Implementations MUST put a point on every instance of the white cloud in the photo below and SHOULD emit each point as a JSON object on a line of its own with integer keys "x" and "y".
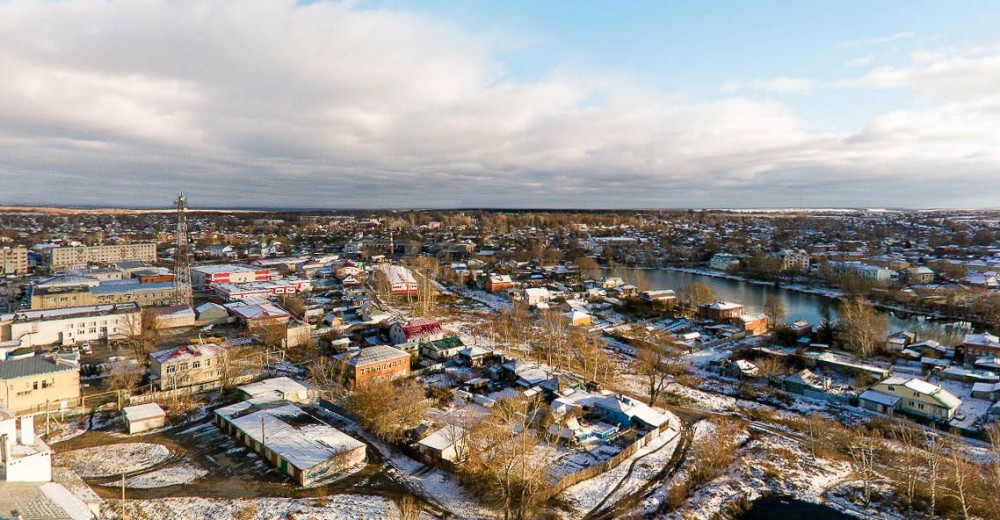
{"x": 945, "y": 74}
{"x": 776, "y": 85}
{"x": 274, "y": 103}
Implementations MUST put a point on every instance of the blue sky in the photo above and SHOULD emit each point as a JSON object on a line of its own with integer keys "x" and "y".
{"x": 433, "y": 103}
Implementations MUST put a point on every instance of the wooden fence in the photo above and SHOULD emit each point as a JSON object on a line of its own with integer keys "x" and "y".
{"x": 609, "y": 464}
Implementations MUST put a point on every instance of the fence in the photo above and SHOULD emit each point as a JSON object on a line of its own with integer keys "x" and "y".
{"x": 609, "y": 464}
{"x": 195, "y": 389}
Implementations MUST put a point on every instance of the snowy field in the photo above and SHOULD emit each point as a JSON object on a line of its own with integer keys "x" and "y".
{"x": 163, "y": 477}
{"x": 114, "y": 459}
{"x": 337, "y": 507}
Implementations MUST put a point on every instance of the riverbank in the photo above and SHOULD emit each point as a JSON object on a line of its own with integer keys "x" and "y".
{"x": 833, "y": 294}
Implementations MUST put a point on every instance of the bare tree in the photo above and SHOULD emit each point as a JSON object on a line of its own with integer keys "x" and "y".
{"x": 862, "y": 327}
{"x": 124, "y": 375}
{"x": 658, "y": 364}
{"x": 934, "y": 459}
{"x": 409, "y": 508}
{"x": 991, "y": 473}
{"x": 962, "y": 476}
{"x": 388, "y": 408}
{"x": 503, "y": 467}
{"x": 864, "y": 451}
{"x": 328, "y": 376}
{"x": 694, "y": 295}
{"x": 775, "y": 310}
{"x": 908, "y": 462}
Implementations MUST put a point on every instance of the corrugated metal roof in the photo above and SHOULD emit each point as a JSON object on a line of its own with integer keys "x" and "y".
{"x": 30, "y": 367}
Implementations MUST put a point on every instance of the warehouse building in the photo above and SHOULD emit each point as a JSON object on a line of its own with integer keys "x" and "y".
{"x": 299, "y": 444}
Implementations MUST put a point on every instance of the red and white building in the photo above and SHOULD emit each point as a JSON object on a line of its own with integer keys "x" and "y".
{"x": 419, "y": 330}
{"x": 208, "y": 275}
{"x": 401, "y": 280}
{"x": 243, "y": 291}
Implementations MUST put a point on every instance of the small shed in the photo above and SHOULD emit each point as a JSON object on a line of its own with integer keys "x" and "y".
{"x": 144, "y": 417}
{"x": 279, "y": 387}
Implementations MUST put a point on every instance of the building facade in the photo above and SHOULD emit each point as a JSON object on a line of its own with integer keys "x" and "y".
{"x": 208, "y": 275}
{"x": 72, "y": 325}
{"x": 378, "y": 362}
{"x": 33, "y": 383}
{"x": 13, "y": 260}
{"x": 59, "y": 257}
{"x": 186, "y": 365}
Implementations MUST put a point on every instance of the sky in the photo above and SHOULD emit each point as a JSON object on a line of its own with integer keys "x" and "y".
{"x": 503, "y": 104}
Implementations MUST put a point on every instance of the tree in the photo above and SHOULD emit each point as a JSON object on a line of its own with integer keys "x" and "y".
{"x": 775, "y": 310}
{"x": 388, "y": 408}
{"x": 864, "y": 451}
{"x": 962, "y": 475}
{"x": 657, "y": 364}
{"x": 991, "y": 473}
{"x": 862, "y": 327}
{"x": 695, "y": 294}
{"x": 588, "y": 267}
{"x": 908, "y": 462}
{"x": 503, "y": 466}
{"x": 328, "y": 376}
{"x": 934, "y": 459}
{"x": 124, "y": 376}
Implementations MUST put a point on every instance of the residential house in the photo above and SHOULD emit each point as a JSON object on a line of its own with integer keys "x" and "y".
{"x": 378, "y": 362}
{"x": 37, "y": 382}
{"x": 912, "y": 396}
{"x": 720, "y": 310}
{"x": 499, "y": 283}
{"x": 186, "y": 365}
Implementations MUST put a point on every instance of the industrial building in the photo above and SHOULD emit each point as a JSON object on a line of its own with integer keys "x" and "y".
{"x": 205, "y": 276}
{"x": 299, "y": 444}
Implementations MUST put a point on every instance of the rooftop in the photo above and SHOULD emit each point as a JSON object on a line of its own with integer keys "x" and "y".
{"x": 32, "y": 366}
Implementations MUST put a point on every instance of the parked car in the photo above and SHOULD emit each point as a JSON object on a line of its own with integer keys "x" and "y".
{"x": 86, "y": 349}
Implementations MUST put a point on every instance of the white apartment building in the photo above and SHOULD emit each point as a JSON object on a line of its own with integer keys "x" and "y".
{"x": 58, "y": 257}
{"x": 13, "y": 260}
{"x": 71, "y": 325}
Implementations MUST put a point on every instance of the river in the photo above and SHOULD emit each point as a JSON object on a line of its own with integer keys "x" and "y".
{"x": 798, "y": 305}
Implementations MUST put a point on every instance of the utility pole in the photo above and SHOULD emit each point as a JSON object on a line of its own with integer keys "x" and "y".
{"x": 124, "y": 511}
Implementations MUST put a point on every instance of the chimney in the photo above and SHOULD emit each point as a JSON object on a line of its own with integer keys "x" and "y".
{"x": 28, "y": 430}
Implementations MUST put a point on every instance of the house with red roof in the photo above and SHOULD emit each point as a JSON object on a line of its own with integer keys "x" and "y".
{"x": 420, "y": 330}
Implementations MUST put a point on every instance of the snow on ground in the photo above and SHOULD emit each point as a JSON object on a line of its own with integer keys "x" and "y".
{"x": 68, "y": 502}
{"x": 587, "y": 495}
{"x": 436, "y": 485}
{"x": 113, "y": 459}
{"x": 337, "y": 507}
{"x": 766, "y": 465}
{"x": 493, "y": 301}
{"x": 163, "y": 477}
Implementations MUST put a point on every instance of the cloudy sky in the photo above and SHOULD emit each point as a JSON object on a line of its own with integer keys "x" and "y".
{"x": 514, "y": 103}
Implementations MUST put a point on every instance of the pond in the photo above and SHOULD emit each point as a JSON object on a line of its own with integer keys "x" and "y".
{"x": 786, "y": 508}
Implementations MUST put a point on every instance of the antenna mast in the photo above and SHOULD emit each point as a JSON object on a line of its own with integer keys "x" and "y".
{"x": 182, "y": 260}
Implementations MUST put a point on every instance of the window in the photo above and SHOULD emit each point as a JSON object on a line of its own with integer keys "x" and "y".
{"x": 171, "y": 369}
{"x": 34, "y": 385}
{"x": 184, "y": 366}
{"x": 208, "y": 362}
{"x": 196, "y": 364}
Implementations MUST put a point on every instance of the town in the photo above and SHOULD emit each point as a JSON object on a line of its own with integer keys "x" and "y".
{"x": 194, "y": 363}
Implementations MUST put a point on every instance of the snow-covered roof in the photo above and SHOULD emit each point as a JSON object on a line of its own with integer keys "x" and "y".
{"x": 880, "y": 398}
{"x": 294, "y": 435}
{"x": 276, "y": 386}
{"x": 142, "y": 412}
